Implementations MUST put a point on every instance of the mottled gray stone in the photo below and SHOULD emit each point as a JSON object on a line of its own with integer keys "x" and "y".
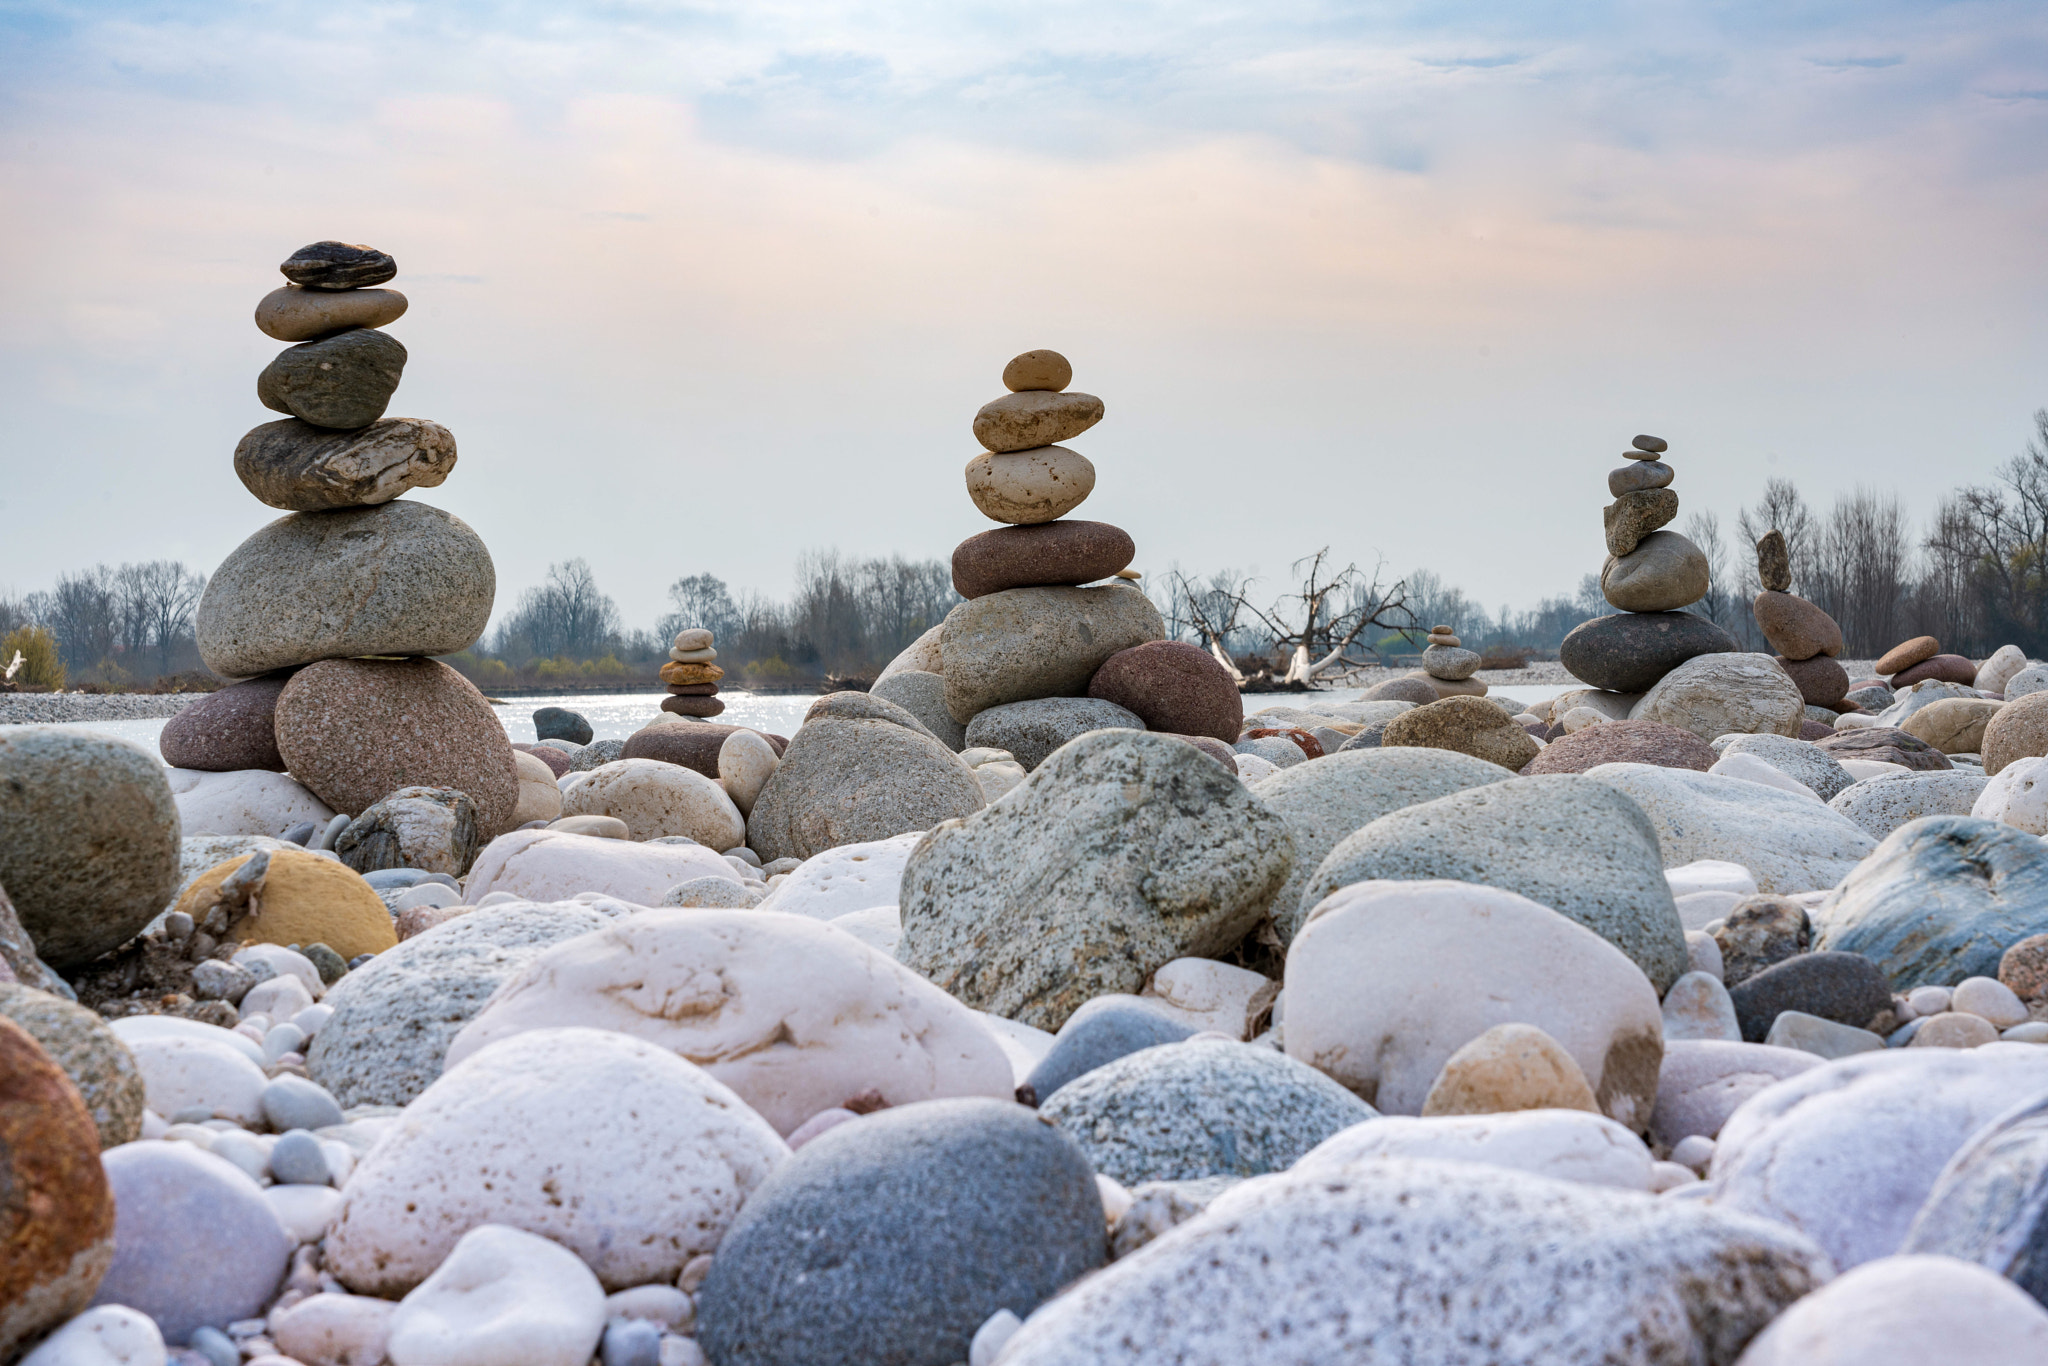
{"x": 1400, "y": 1260}
{"x": 1919, "y": 697}
{"x": 596, "y": 754}
{"x": 1713, "y": 694}
{"x": 89, "y": 852}
{"x": 92, "y": 1055}
{"x": 1183, "y": 1111}
{"x": 299, "y": 467}
{"x": 1875, "y": 697}
{"x": 1990, "y": 1203}
{"x": 1883, "y": 804}
{"x": 1038, "y": 642}
{"x": 923, "y": 695}
{"x": 18, "y": 952}
{"x": 1033, "y": 730}
{"x": 1806, "y": 764}
{"x": 1564, "y": 841}
{"x": 1941, "y": 899}
{"x": 1788, "y": 841}
{"x": 1124, "y": 851}
{"x": 1100, "y": 1032}
{"x": 397, "y": 579}
{"x": 343, "y": 381}
{"x": 1328, "y": 800}
{"x": 1760, "y": 932}
{"x": 1159, "y": 1207}
{"x": 395, "y": 1016}
{"x": 1844, "y": 987}
{"x": 893, "y": 1238}
{"x": 430, "y": 828}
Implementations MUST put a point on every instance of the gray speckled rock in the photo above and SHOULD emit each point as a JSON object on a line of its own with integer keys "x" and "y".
{"x": 1107, "y": 1028}
{"x": 299, "y": 467}
{"x": 923, "y": 695}
{"x": 1182, "y": 1111}
{"x": 18, "y": 953}
{"x": 1278, "y": 750}
{"x": 90, "y": 850}
{"x": 596, "y": 754}
{"x": 92, "y": 1055}
{"x": 1787, "y": 840}
{"x": 1456, "y": 1264}
{"x": 1124, "y": 851}
{"x": 1918, "y": 697}
{"x": 1564, "y": 841}
{"x": 1038, "y": 642}
{"x": 433, "y": 829}
{"x": 1327, "y": 800}
{"x": 1990, "y": 1203}
{"x": 1883, "y": 804}
{"x": 1158, "y": 1207}
{"x": 894, "y": 1237}
{"x": 859, "y": 769}
{"x": 341, "y": 381}
{"x": 1034, "y": 729}
{"x": 1941, "y": 899}
{"x": 396, "y": 579}
{"x": 1713, "y": 694}
{"x": 1806, "y": 764}
{"x": 395, "y": 1016}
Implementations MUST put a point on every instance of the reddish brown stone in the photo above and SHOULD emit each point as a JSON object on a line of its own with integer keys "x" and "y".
{"x": 2018, "y": 731}
{"x": 1940, "y": 668}
{"x": 231, "y": 729}
{"x": 1308, "y": 744}
{"x": 1040, "y": 556}
{"x": 2024, "y": 968}
{"x": 1812, "y": 730}
{"x": 56, "y": 1211}
{"x": 1796, "y": 628}
{"x": 356, "y": 730}
{"x": 1821, "y": 681}
{"x": 1406, "y": 688}
{"x": 1905, "y": 655}
{"x": 1625, "y": 742}
{"x": 1173, "y": 686}
{"x": 692, "y": 706}
{"x": 693, "y": 690}
{"x": 557, "y": 762}
{"x": 694, "y": 746}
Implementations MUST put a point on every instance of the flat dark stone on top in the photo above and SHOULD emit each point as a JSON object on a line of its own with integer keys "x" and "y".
{"x": 338, "y": 265}
{"x": 1630, "y": 651}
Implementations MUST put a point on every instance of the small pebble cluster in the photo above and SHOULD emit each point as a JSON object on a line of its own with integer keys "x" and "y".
{"x": 1038, "y": 1007}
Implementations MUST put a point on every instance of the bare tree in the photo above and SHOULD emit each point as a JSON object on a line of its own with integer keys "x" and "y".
{"x": 157, "y": 602}
{"x": 1314, "y": 626}
{"x": 1860, "y": 568}
{"x": 567, "y": 616}
{"x": 1210, "y": 611}
{"x": 1703, "y": 529}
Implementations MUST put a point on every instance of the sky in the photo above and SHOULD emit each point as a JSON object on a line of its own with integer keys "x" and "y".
{"x": 701, "y": 286}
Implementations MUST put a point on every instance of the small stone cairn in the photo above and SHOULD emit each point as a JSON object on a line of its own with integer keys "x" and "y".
{"x": 1448, "y": 666}
{"x": 691, "y": 676}
{"x": 1807, "y": 639}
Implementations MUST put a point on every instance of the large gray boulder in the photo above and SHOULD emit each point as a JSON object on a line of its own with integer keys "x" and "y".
{"x": 1124, "y": 851}
{"x": 400, "y": 578}
{"x": 1713, "y": 694}
{"x": 1034, "y": 729}
{"x": 1803, "y": 762}
{"x": 1038, "y": 642}
{"x": 88, "y": 840}
{"x": 859, "y": 769}
{"x": 923, "y": 695}
{"x": 1340, "y": 793}
{"x": 1884, "y": 803}
{"x": 1398, "y": 1260}
{"x": 1563, "y": 840}
{"x": 1788, "y": 841}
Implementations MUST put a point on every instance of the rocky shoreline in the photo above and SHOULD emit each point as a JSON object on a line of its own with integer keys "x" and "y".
{"x": 61, "y": 708}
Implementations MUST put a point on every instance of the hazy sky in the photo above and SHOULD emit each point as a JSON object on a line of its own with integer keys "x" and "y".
{"x": 701, "y": 285}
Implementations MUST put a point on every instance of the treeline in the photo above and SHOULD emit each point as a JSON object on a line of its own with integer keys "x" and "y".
{"x": 108, "y": 627}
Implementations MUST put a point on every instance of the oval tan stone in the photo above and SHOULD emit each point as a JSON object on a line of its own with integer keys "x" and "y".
{"x": 1954, "y": 725}
{"x": 292, "y": 314}
{"x": 1038, "y": 370}
{"x": 302, "y": 468}
{"x": 1027, "y": 487}
{"x": 1017, "y": 422}
{"x": 1662, "y": 574}
{"x": 1509, "y": 1067}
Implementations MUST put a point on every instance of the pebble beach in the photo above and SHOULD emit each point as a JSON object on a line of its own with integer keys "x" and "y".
{"x": 1053, "y": 1002}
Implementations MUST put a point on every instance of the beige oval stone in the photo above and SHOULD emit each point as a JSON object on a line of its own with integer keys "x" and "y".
{"x": 1662, "y": 574}
{"x": 1037, "y": 417}
{"x": 1027, "y": 487}
{"x": 539, "y": 798}
{"x": 292, "y": 314}
{"x": 1509, "y": 1067}
{"x": 656, "y": 799}
{"x": 745, "y": 764}
{"x": 1954, "y": 1029}
{"x": 1954, "y": 725}
{"x": 1038, "y": 370}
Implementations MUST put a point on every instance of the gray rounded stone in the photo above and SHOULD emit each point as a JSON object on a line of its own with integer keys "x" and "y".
{"x": 342, "y": 381}
{"x": 1124, "y": 851}
{"x": 1882, "y": 804}
{"x": 1033, "y": 730}
{"x": 395, "y": 1016}
{"x": 1182, "y": 1111}
{"x": 1803, "y": 762}
{"x": 297, "y": 1160}
{"x": 291, "y": 1102}
{"x": 1327, "y": 800}
{"x": 1629, "y": 651}
{"x": 596, "y": 754}
{"x": 299, "y": 467}
{"x": 92, "y": 1055}
{"x": 397, "y": 579}
{"x": 923, "y": 695}
{"x": 1107, "y": 1028}
{"x": 1038, "y": 642}
{"x": 195, "y": 1243}
{"x": 893, "y": 1238}
{"x": 1714, "y": 694}
{"x": 859, "y": 769}
{"x": 1447, "y": 1263}
{"x": 1662, "y": 574}
{"x": 559, "y": 723}
{"x": 430, "y": 828}
{"x": 1990, "y": 1204}
{"x": 1565, "y": 841}
{"x": 2033, "y": 678}
{"x": 331, "y": 265}
{"x": 1844, "y": 987}
{"x": 89, "y": 853}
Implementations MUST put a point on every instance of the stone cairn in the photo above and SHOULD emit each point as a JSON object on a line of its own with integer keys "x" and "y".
{"x": 1447, "y": 666}
{"x": 1650, "y": 575}
{"x": 1807, "y": 639}
{"x": 691, "y": 676}
{"x": 332, "y": 613}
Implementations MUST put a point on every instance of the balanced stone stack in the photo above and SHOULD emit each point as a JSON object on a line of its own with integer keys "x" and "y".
{"x": 691, "y": 676}
{"x": 1650, "y": 575}
{"x": 1448, "y": 667}
{"x": 1806, "y": 638}
{"x": 334, "y": 611}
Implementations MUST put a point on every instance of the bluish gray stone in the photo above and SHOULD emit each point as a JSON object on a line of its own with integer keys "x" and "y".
{"x": 291, "y": 1102}
{"x": 297, "y": 1160}
{"x": 631, "y": 1342}
{"x": 216, "y": 1347}
{"x": 1033, "y": 730}
{"x": 1100, "y": 1032}
{"x": 1941, "y": 899}
{"x": 1990, "y": 1204}
{"x": 893, "y": 1238}
{"x": 1844, "y": 987}
{"x": 923, "y": 695}
{"x": 559, "y": 723}
{"x": 1873, "y": 698}
{"x": 195, "y": 1243}
{"x": 1184, "y": 1111}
